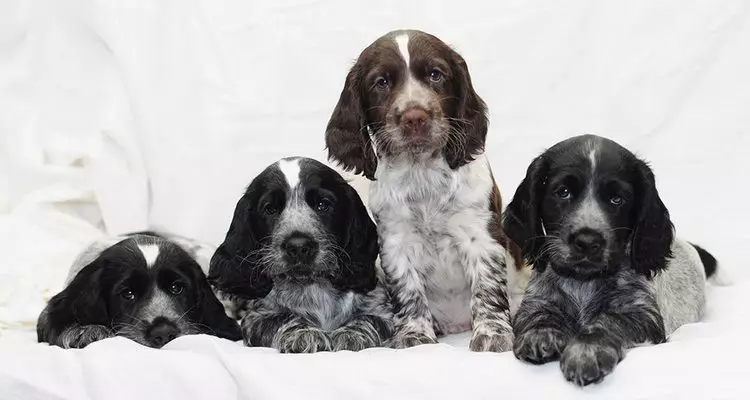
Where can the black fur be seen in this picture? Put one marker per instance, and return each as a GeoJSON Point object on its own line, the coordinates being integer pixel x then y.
{"type": "Point", "coordinates": [709, 261]}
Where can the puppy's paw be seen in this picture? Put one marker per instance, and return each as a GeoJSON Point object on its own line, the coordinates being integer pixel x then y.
{"type": "Point", "coordinates": [350, 339]}
{"type": "Point", "coordinates": [583, 363]}
{"type": "Point", "coordinates": [411, 339]}
{"type": "Point", "coordinates": [81, 336]}
{"type": "Point", "coordinates": [303, 340]}
{"type": "Point", "coordinates": [496, 342]}
{"type": "Point", "coordinates": [540, 346]}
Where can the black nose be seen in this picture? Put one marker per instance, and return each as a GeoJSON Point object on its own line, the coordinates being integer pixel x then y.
{"type": "Point", "coordinates": [587, 242]}
{"type": "Point", "coordinates": [161, 332]}
{"type": "Point", "coordinates": [300, 248]}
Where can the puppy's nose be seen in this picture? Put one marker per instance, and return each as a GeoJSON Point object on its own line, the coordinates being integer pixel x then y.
{"type": "Point", "coordinates": [414, 121]}
{"type": "Point", "coordinates": [161, 332]}
{"type": "Point", "coordinates": [587, 242]}
{"type": "Point", "coordinates": [300, 248]}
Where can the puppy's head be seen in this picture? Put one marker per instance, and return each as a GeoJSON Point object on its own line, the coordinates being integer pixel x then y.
{"type": "Point", "coordinates": [299, 221]}
{"type": "Point", "coordinates": [408, 95]}
{"type": "Point", "coordinates": [144, 288]}
{"type": "Point", "coordinates": [588, 206]}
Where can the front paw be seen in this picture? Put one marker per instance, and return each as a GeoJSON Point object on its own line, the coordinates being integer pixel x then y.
{"type": "Point", "coordinates": [583, 363]}
{"type": "Point", "coordinates": [350, 339]}
{"type": "Point", "coordinates": [540, 346]}
{"type": "Point", "coordinates": [82, 336]}
{"type": "Point", "coordinates": [411, 339]}
{"type": "Point", "coordinates": [303, 340]}
{"type": "Point", "coordinates": [495, 342]}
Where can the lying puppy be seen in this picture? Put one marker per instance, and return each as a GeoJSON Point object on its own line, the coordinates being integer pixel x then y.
{"type": "Point", "coordinates": [409, 119]}
{"type": "Point", "coordinates": [608, 274]}
{"type": "Point", "coordinates": [142, 287]}
{"type": "Point", "coordinates": [299, 263]}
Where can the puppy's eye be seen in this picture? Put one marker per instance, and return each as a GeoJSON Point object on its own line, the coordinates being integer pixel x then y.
{"type": "Point", "coordinates": [127, 294]}
{"type": "Point", "coordinates": [269, 209]}
{"type": "Point", "coordinates": [323, 205]}
{"type": "Point", "coordinates": [563, 192]}
{"type": "Point", "coordinates": [176, 288]}
{"type": "Point", "coordinates": [616, 200]}
{"type": "Point", "coordinates": [436, 76]}
{"type": "Point", "coordinates": [382, 83]}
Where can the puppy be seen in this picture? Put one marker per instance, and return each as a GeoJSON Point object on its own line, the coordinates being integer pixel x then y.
{"type": "Point", "coordinates": [299, 263]}
{"type": "Point", "coordinates": [609, 274]}
{"type": "Point", "coordinates": [409, 119]}
{"type": "Point", "coordinates": [143, 287]}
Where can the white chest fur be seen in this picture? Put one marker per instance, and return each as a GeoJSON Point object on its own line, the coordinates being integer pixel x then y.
{"type": "Point", "coordinates": [434, 221]}
{"type": "Point", "coordinates": [317, 301]}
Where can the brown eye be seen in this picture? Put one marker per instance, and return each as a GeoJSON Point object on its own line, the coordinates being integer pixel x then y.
{"type": "Point", "coordinates": [324, 205]}
{"type": "Point", "coordinates": [269, 209]}
{"type": "Point", "coordinates": [563, 192]}
{"type": "Point", "coordinates": [176, 288]}
{"type": "Point", "coordinates": [382, 82]}
{"type": "Point", "coordinates": [616, 201]}
{"type": "Point", "coordinates": [127, 294]}
{"type": "Point", "coordinates": [436, 76]}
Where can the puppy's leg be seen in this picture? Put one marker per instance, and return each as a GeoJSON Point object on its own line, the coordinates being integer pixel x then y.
{"type": "Point", "coordinates": [266, 326]}
{"type": "Point", "coordinates": [412, 314]}
{"type": "Point", "coordinates": [542, 329]}
{"type": "Point", "coordinates": [362, 332]}
{"type": "Point", "coordinates": [80, 336]}
{"type": "Point", "coordinates": [632, 317]}
{"type": "Point", "coordinates": [490, 310]}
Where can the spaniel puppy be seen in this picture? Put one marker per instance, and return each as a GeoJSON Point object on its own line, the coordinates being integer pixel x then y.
{"type": "Point", "coordinates": [608, 273]}
{"type": "Point", "coordinates": [409, 119]}
{"type": "Point", "coordinates": [299, 263]}
{"type": "Point", "coordinates": [142, 287]}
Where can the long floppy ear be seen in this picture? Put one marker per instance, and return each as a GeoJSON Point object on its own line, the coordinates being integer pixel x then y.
{"type": "Point", "coordinates": [234, 268]}
{"type": "Point", "coordinates": [81, 303]}
{"type": "Point", "coordinates": [653, 233]}
{"type": "Point", "coordinates": [521, 220]}
{"type": "Point", "coordinates": [358, 270]}
{"type": "Point", "coordinates": [347, 139]}
{"type": "Point", "coordinates": [209, 313]}
{"type": "Point", "coordinates": [471, 119]}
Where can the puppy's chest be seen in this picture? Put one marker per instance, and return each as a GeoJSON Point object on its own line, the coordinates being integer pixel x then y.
{"type": "Point", "coordinates": [318, 303]}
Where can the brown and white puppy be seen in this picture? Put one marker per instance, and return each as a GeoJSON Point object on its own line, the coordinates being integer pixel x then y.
{"type": "Point", "coordinates": [409, 119]}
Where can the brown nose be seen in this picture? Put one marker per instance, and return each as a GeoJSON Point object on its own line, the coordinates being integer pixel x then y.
{"type": "Point", "coordinates": [414, 121]}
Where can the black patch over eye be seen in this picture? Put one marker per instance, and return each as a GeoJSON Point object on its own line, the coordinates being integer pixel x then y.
{"type": "Point", "coordinates": [436, 76]}
{"type": "Point", "coordinates": [127, 294]}
{"type": "Point", "coordinates": [382, 83]}
{"type": "Point", "coordinates": [176, 288]}
{"type": "Point", "coordinates": [563, 192]}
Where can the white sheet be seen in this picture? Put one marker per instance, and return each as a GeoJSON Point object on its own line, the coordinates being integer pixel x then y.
{"type": "Point", "coordinates": [119, 116]}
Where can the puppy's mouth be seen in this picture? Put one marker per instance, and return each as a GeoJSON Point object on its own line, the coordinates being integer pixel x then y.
{"type": "Point", "coordinates": [301, 275]}
{"type": "Point", "coordinates": [581, 268]}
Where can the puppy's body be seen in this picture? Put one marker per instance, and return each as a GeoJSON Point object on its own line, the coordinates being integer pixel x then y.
{"type": "Point", "coordinates": [608, 274]}
{"type": "Point", "coordinates": [142, 287]}
{"type": "Point", "coordinates": [409, 119]}
{"type": "Point", "coordinates": [299, 262]}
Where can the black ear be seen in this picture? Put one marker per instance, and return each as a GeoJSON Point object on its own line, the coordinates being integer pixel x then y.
{"type": "Point", "coordinates": [521, 220]}
{"type": "Point", "coordinates": [470, 124]}
{"type": "Point", "coordinates": [82, 302]}
{"type": "Point", "coordinates": [347, 139]}
{"type": "Point", "coordinates": [653, 233]}
{"type": "Point", "coordinates": [234, 266]}
{"type": "Point", "coordinates": [357, 272]}
{"type": "Point", "coordinates": [210, 314]}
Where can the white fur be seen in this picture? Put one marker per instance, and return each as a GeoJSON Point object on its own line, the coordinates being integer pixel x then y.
{"type": "Point", "coordinates": [159, 305]}
{"type": "Point", "coordinates": [403, 47]}
{"type": "Point", "coordinates": [415, 93]}
{"type": "Point", "coordinates": [150, 253]}
{"type": "Point", "coordinates": [290, 169]}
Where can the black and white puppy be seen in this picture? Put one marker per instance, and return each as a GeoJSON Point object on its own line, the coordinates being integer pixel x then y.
{"type": "Point", "coordinates": [299, 263]}
{"type": "Point", "coordinates": [609, 274]}
{"type": "Point", "coordinates": [143, 287]}
{"type": "Point", "coordinates": [409, 119]}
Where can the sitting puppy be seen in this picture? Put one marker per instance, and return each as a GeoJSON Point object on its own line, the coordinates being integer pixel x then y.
{"type": "Point", "coordinates": [608, 274]}
{"type": "Point", "coordinates": [142, 287]}
{"type": "Point", "coordinates": [299, 263]}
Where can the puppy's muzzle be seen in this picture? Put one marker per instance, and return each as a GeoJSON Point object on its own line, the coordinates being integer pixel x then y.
{"type": "Point", "coordinates": [587, 243]}
{"type": "Point", "coordinates": [414, 122]}
{"type": "Point", "coordinates": [299, 249]}
{"type": "Point", "coordinates": [161, 332]}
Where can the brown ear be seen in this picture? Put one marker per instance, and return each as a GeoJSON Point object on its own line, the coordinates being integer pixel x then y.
{"type": "Point", "coordinates": [470, 125]}
{"type": "Point", "coordinates": [347, 139]}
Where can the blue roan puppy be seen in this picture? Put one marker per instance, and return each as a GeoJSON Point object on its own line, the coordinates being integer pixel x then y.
{"type": "Point", "coordinates": [143, 287]}
{"type": "Point", "coordinates": [609, 274]}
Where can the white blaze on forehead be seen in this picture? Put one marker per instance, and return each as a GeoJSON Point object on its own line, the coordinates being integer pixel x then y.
{"type": "Point", "coordinates": [290, 169]}
{"type": "Point", "coordinates": [592, 157]}
{"type": "Point", "coordinates": [403, 47]}
{"type": "Point", "coordinates": [150, 253]}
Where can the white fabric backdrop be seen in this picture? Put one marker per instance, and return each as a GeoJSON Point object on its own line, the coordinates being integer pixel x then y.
{"type": "Point", "coordinates": [123, 115]}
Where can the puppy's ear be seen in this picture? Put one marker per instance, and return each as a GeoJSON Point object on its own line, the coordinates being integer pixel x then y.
{"type": "Point", "coordinates": [234, 266]}
{"type": "Point", "coordinates": [209, 313]}
{"type": "Point", "coordinates": [82, 302]}
{"type": "Point", "coordinates": [357, 272]}
{"type": "Point", "coordinates": [347, 139]}
{"type": "Point", "coordinates": [521, 220]}
{"type": "Point", "coordinates": [653, 232]}
{"type": "Point", "coordinates": [469, 128]}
